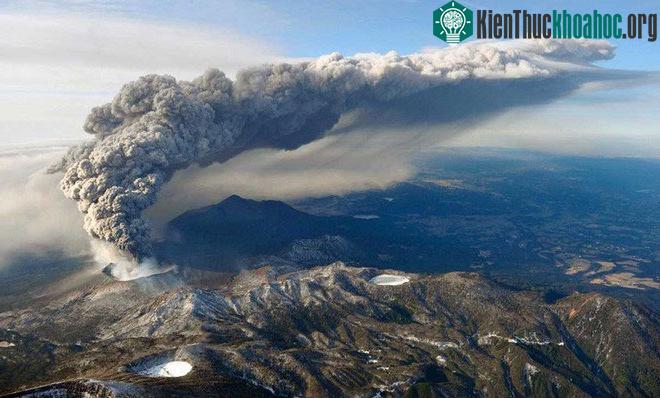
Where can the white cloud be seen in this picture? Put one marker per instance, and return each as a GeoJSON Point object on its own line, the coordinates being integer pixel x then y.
{"type": "Point", "coordinates": [55, 67]}
{"type": "Point", "coordinates": [616, 118]}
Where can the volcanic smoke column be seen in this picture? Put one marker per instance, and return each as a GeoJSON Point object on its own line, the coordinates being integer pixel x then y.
{"type": "Point", "coordinates": [157, 125]}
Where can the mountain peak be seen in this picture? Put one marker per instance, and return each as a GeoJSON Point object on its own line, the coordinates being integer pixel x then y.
{"type": "Point", "coordinates": [237, 208]}
{"type": "Point", "coordinates": [236, 199]}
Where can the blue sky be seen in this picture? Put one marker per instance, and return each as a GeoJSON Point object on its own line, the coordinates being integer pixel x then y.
{"type": "Point", "coordinates": [311, 28]}
{"type": "Point", "coordinates": [60, 58]}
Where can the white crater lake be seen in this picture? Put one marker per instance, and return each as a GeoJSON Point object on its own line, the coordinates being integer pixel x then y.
{"type": "Point", "coordinates": [389, 280]}
{"type": "Point", "coordinates": [169, 369]}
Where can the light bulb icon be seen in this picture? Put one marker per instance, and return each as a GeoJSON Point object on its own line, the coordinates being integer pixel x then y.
{"type": "Point", "coordinates": [453, 22]}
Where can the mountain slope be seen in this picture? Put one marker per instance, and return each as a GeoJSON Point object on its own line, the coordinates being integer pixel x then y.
{"type": "Point", "coordinates": [330, 331]}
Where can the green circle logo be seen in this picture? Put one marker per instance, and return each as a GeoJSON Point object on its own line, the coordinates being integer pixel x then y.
{"type": "Point", "coordinates": [452, 23]}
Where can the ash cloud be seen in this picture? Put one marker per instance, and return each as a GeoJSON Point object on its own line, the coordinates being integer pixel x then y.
{"type": "Point", "coordinates": [36, 218]}
{"type": "Point", "coordinates": [157, 125]}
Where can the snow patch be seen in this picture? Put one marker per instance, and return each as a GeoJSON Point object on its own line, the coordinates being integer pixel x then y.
{"type": "Point", "coordinates": [394, 387]}
{"type": "Point", "coordinates": [254, 382]}
{"type": "Point", "coordinates": [389, 280]}
{"type": "Point", "coordinates": [488, 339]}
{"type": "Point", "coordinates": [6, 344]}
{"type": "Point", "coordinates": [439, 344]}
{"type": "Point", "coordinates": [530, 370]}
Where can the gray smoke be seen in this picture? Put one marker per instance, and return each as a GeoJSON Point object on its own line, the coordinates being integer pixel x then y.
{"type": "Point", "coordinates": [157, 125]}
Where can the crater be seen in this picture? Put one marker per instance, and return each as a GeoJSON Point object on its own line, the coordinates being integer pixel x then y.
{"type": "Point", "coordinates": [389, 280]}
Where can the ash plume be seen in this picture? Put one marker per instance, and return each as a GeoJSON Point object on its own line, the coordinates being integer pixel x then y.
{"type": "Point", "coordinates": [157, 125]}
